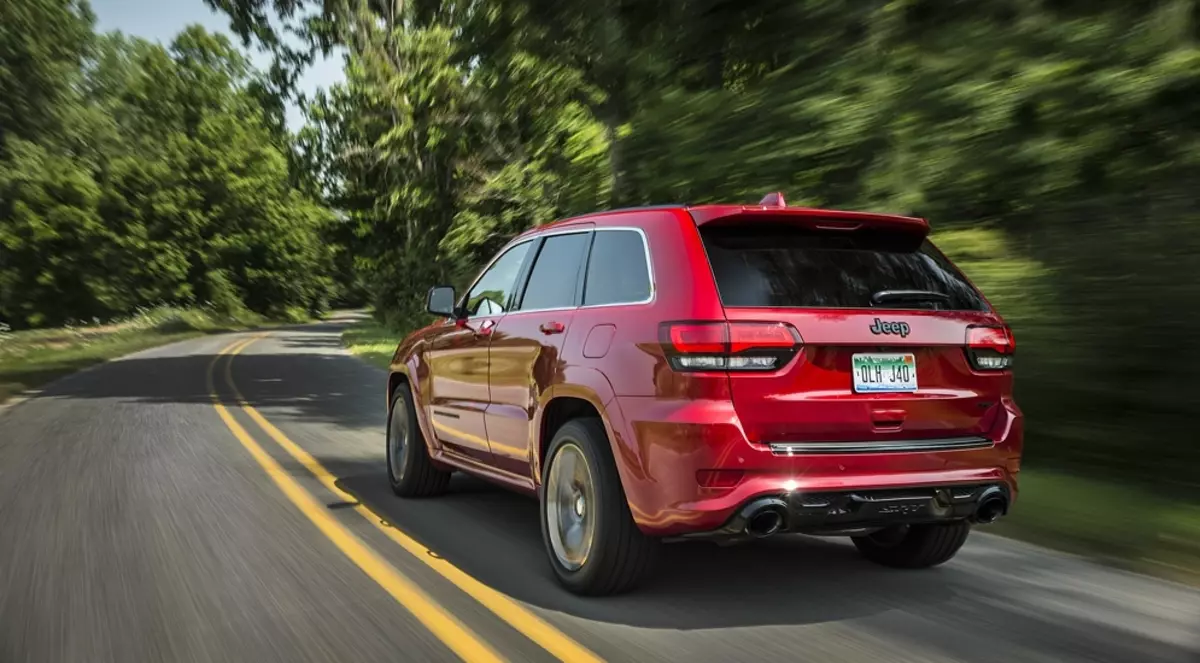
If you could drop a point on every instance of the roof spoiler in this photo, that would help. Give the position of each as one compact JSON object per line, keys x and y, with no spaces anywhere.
{"x":773,"y":200}
{"x":773,"y":207}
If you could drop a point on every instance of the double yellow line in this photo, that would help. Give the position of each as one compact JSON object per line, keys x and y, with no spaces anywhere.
{"x":456,"y":635}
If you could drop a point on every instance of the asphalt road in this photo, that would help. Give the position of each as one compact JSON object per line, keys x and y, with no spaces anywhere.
{"x":136,"y":524}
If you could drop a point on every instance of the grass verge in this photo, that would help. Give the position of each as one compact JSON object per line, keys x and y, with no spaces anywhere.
{"x":30,"y":359}
{"x":372,"y":341}
{"x":1127,"y":526}
{"x":1120,"y":525}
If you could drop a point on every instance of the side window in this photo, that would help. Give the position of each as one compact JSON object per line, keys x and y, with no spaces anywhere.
{"x":617,"y":272}
{"x":491,"y":293}
{"x":555,"y":275}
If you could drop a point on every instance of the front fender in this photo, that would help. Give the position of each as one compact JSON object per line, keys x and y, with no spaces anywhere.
{"x":408,"y":364}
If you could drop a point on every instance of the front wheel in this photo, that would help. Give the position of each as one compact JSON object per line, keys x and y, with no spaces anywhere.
{"x":410,"y":470}
{"x":594,"y":546}
{"x":914,"y":546}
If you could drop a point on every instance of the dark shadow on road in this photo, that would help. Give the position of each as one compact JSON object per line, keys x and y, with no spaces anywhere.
{"x":494,"y":535}
{"x":292,"y":376}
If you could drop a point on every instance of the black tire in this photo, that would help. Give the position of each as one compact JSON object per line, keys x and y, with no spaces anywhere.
{"x":620,"y":556}
{"x":914,"y":546}
{"x":418,"y":477}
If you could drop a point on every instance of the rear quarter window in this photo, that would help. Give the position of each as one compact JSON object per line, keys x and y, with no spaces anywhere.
{"x":771,"y":265}
{"x":617,"y":271}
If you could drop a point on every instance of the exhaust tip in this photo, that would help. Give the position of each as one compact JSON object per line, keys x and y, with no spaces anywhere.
{"x":992,"y":505}
{"x":764,"y":523}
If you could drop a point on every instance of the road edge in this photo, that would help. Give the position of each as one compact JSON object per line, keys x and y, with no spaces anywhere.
{"x":31,"y":394}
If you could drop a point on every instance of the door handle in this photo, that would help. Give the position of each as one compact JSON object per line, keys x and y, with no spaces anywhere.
{"x":552,"y":327}
{"x":485,"y":328}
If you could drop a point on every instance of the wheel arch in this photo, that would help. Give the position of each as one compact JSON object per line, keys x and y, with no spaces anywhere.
{"x":401,"y":376}
{"x":395,"y":379}
{"x":557,"y":411}
{"x":568,"y":401}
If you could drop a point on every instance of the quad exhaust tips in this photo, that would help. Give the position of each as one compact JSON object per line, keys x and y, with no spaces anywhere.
{"x":993,"y":504}
{"x":853,"y":513}
{"x":769,"y":515}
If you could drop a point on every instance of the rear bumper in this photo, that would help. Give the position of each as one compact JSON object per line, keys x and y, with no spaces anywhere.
{"x":851,"y":512}
{"x":661,"y":445}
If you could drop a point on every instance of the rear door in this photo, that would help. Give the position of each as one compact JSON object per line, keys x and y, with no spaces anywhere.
{"x":883,"y":319}
{"x":526,"y":348}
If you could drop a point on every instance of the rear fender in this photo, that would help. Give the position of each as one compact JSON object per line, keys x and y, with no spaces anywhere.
{"x":585,"y":384}
{"x":593,"y":386}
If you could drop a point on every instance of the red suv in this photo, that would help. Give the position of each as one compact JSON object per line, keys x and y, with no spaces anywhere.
{"x":719,"y":372}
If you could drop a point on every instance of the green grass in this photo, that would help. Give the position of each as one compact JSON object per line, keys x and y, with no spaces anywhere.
{"x":30,"y":359}
{"x":1122,"y":525}
{"x":372,"y":341}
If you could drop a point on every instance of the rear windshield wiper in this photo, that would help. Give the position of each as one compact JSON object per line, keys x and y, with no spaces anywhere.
{"x":886,"y":296}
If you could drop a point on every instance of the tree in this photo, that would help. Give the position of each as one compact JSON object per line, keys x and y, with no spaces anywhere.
{"x":42,"y":46}
{"x":163,"y":182}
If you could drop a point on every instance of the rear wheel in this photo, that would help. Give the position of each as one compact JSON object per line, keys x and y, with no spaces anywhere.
{"x":410,"y":470}
{"x":914,"y":546}
{"x":594,"y":546}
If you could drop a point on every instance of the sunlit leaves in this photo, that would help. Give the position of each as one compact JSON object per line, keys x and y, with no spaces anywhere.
{"x":166,"y":185}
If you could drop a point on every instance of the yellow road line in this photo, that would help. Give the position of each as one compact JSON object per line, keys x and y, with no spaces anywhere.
{"x":533,"y":627}
{"x":442,"y":624}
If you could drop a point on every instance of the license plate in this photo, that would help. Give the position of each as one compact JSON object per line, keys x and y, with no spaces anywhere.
{"x":878,"y":371}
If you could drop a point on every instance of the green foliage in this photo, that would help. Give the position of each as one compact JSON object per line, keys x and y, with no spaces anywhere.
{"x":373,"y":342}
{"x":42,"y":45}
{"x":53,"y":239}
{"x":152,"y":176}
{"x":1015,"y":283}
{"x":1127,"y":525}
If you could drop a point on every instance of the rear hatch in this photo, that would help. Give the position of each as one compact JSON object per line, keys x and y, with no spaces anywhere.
{"x":884,"y":323}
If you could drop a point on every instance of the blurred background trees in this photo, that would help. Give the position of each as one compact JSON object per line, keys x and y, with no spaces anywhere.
{"x":1053,"y":144}
{"x":133,"y":174}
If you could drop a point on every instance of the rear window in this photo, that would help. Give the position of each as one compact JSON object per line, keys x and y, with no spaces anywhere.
{"x":785,"y":266}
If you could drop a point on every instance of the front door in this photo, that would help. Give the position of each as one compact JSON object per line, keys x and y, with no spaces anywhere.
{"x":459,"y":359}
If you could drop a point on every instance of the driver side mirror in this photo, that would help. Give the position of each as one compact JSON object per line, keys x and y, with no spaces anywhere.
{"x":441,"y":301}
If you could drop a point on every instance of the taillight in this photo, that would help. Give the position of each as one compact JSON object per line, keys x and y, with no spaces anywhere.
{"x":990,"y":348}
{"x":729,"y":346}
